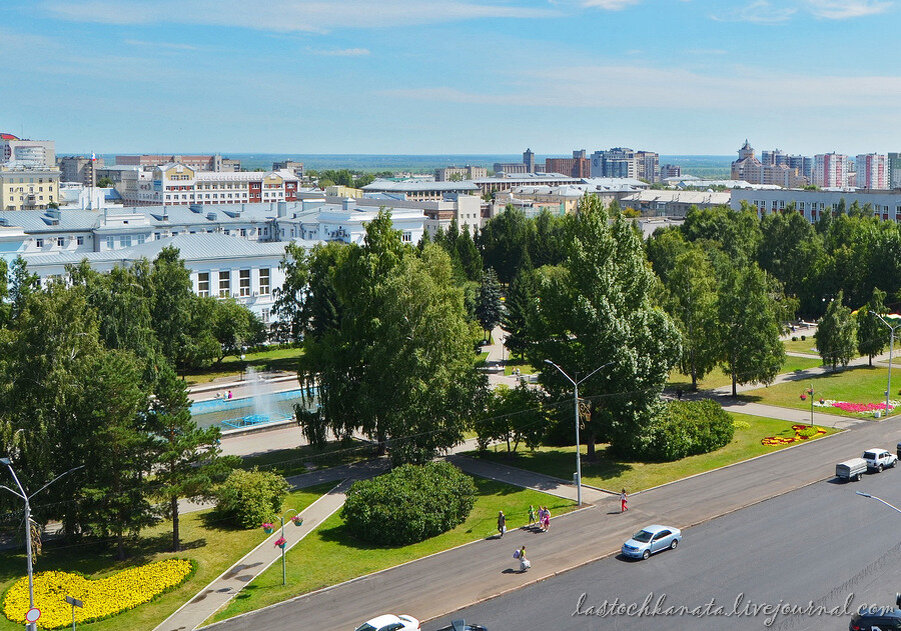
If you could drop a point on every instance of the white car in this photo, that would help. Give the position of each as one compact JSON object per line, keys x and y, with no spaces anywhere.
{"x":879,"y":459}
{"x":390,"y":622}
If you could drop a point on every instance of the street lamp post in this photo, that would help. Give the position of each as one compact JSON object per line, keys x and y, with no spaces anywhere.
{"x":284,"y":563}
{"x":27,"y":498}
{"x":879,"y":499}
{"x":891,"y":346}
{"x":576,"y":407}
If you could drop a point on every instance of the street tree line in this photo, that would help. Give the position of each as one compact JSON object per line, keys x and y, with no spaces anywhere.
{"x":88,"y":377}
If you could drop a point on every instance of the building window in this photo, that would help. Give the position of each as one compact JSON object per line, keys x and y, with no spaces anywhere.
{"x":39,"y":243}
{"x":126,"y":241}
{"x":264,"y":281}
{"x":264,"y":316}
{"x":244,"y":282}
{"x":157,"y":236}
{"x":203,"y":284}
{"x":407,"y":237}
{"x":225,"y":284}
{"x":111,"y":243}
{"x":60,"y":241}
{"x":79,"y":240}
{"x":141,"y":238}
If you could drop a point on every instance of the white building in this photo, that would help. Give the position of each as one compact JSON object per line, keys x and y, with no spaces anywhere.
{"x":830,"y":170}
{"x":871,"y":171}
{"x":812,"y":204}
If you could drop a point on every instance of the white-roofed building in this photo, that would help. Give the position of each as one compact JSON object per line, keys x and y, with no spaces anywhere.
{"x":178,"y":184}
{"x":667,"y":203}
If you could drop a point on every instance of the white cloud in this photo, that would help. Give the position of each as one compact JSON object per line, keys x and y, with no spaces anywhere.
{"x":164,"y":45}
{"x":651,"y":87}
{"x":843,"y":9}
{"x":341,"y":52}
{"x":610,"y":5}
{"x":758,"y":12}
{"x":287,"y":15}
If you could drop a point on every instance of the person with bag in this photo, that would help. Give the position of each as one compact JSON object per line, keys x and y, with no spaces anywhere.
{"x":501,"y":523}
{"x":524,"y":563}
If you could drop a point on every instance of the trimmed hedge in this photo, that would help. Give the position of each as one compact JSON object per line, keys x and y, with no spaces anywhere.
{"x":409,"y":504}
{"x":689,"y":428}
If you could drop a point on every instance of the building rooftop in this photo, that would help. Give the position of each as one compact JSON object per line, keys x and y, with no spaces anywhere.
{"x":408,"y":186}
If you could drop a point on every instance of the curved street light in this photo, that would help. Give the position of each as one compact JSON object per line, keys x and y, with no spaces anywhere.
{"x":575,"y":384}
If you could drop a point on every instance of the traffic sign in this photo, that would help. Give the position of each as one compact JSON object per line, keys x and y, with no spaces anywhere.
{"x":74,"y":602}
{"x":33,"y":614}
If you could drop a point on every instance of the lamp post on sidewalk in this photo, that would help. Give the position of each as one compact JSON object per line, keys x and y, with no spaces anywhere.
{"x":888,"y":388}
{"x":879,"y":499}
{"x":27,"y":498}
{"x":575,"y":384}
{"x":298,"y":521}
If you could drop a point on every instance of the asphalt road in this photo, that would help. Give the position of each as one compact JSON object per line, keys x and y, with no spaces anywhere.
{"x":822,"y":543}
{"x":446,"y":582}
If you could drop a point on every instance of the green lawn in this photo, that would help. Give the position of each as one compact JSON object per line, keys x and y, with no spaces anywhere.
{"x":718,"y":378}
{"x":278,"y":359}
{"x":288,"y":462}
{"x":612,"y":473}
{"x":524,"y":369}
{"x":214,"y":545}
{"x":802,"y":346}
{"x":855,"y":385}
{"x":329,"y":555}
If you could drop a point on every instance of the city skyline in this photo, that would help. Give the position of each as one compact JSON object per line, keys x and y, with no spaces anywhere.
{"x":686,"y":77}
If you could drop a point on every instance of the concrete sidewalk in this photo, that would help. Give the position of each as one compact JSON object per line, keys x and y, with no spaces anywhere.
{"x":193,"y":613}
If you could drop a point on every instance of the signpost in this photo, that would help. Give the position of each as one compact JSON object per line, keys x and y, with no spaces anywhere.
{"x":32,"y":616}
{"x":75,"y":603}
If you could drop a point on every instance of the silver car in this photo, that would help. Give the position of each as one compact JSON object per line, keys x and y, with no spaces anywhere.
{"x":650,"y":540}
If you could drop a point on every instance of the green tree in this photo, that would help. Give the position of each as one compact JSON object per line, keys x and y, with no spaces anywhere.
{"x":489,"y":308}
{"x":872,"y":334}
{"x":251,"y":498}
{"x":105,"y":182}
{"x":692,"y":302}
{"x":749,"y":328}
{"x":599,"y":307}
{"x":468,"y":256}
{"x":172,"y":305}
{"x":836,"y":335}
{"x":187,"y":459}
{"x":234,"y":327}
{"x":520,"y":309}
{"x":503,"y":242}
{"x":514,"y":415}
{"x":118,"y":450}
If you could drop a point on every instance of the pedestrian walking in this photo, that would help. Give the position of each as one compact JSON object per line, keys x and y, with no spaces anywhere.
{"x":547,"y":518}
{"x":229,"y":395}
{"x":524,"y":563}
{"x":532,"y":516}
{"x":501,"y":523}
{"x":623,"y":499}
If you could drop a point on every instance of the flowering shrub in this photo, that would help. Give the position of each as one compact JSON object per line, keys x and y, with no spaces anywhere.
{"x":102,"y":598}
{"x":281,"y":541}
{"x":802,"y":432}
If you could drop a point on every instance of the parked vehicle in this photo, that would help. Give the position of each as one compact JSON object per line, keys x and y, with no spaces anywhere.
{"x":877,"y":618}
{"x":879,"y":459}
{"x":390,"y":622}
{"x":851,"y":469}
{"x":899,"y":449}
{"x":651,"y":540}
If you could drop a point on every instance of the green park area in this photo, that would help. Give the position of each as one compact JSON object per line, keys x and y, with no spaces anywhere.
{"x":329,"y":555}
{"x":717,"y":378}
{"x":612,"y":473}
{"x":208,"y":540}
{"x":808,"y":346}
{"x":297,"y":460}
{"x":284,"y":359}
{"x":862,"y":384}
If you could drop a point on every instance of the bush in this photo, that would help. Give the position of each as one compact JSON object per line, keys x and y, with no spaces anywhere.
{"x":250,"y":498}
{"x":688,"y":428}
{"x":794,"y":338}
{"x":409,"y":504}
{"x":803,"y":338}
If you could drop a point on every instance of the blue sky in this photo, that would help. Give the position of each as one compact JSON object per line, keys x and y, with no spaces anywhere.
{"x":452,"y":76}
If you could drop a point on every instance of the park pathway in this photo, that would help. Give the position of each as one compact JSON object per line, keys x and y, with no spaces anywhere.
{"x":193,"y":613}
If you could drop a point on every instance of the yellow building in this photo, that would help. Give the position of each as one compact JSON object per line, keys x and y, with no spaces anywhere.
{"x":339,"y":190}
{"x":23,"y":188}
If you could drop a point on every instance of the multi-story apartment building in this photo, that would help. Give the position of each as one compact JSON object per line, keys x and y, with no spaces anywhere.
{"x":198,"y":162}
{"x":893,"y":170}
{"x":79,"y":169}
{"x":578,"y":166}
{"x":528,"y":159}
{"x":460,"y":173}
{"x":775,"y":169}
{"x":510,"y":168}
{"x":830,"y":170}
{"x":670,"y":170}
{"x":289,"y":165}
{"x":177,"y":183}
{"x":622,"y":162}
{"x":25,"y":188}
{"x":871,"y":171}
{"x":29,"y":153}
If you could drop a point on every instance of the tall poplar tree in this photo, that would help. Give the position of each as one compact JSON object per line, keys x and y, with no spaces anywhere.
{"x":836,"y":334}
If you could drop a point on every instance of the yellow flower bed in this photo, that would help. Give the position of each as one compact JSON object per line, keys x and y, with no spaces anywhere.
{"x":102,"y":598}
